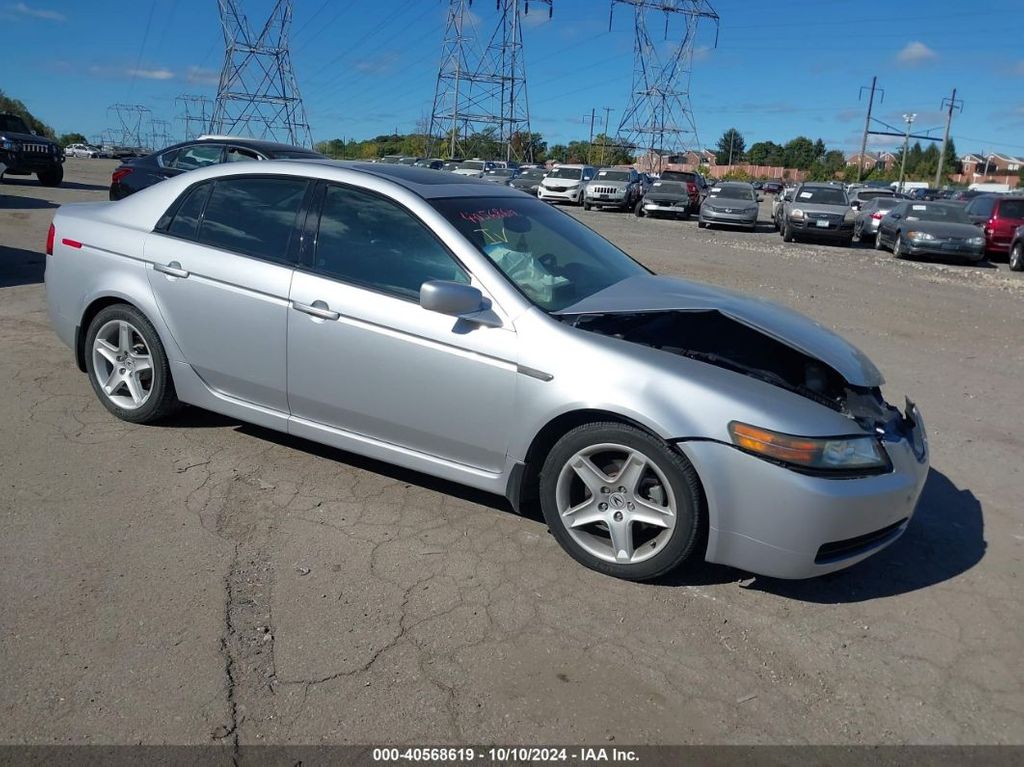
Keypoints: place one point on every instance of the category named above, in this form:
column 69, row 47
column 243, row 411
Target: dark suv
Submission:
column 198, row 153
column 23, row 153
column 998, row 216
column 696, row 185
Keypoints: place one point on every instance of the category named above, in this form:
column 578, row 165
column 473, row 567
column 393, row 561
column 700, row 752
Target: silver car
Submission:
column 730, row 203
column 468, row 331
column 870, row 214
column 612, row 188
column 819, row 210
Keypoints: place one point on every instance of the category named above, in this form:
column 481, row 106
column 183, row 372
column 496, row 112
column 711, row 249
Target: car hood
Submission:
column 612, row 183
column 549, row 181
column 28, row 138
column 944, row 228
column 812, row 207
column 656, row 293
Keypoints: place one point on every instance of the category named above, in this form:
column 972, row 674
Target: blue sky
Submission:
column 780, row 69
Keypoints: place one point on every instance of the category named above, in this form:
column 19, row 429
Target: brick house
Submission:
column 876, row 160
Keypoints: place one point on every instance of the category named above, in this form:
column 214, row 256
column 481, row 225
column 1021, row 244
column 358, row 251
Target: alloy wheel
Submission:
column 122, row 364
column 616, row 503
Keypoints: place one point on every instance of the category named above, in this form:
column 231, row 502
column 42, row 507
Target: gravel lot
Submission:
column 207, row 581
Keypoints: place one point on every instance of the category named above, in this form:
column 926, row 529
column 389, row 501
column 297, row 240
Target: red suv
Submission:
column 999, row 216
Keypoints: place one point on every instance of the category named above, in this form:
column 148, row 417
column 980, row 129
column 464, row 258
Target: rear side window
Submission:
column 186, row 218
column 1011, row 209
column 253, row 216
column 196, row 156
column 237, row 154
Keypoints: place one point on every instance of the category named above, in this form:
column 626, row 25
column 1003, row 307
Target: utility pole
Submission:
column 604, row 136
column 732, row 140
column 867, row 123
column 951, row 103
column 909, row 118
column 590, row 144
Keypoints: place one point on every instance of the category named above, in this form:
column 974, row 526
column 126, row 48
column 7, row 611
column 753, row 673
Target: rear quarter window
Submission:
column 1011, row 209
column 184, row 221
column 253, row 216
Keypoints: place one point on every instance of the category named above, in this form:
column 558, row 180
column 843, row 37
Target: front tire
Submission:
column 787, row 233
column 51, row 177
column 621, row 501
column 1017, row 257
column 639, row 211
column 128, row 367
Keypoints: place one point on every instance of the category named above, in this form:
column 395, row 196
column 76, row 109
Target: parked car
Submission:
column 925, row 193
column 998, row 216
column 779, row 202
column 474, row 168
column 81, row 150
column 529, row 180
column 820, row 211
column 434, row 163
column 665, row 198
column 929, row 229
column 870, row 215
column 965, row 195
column 696, row 185
column 23, row 153
column 500, row 175
column 613, row 188
column 731, row 203
column 565, row 183
column 1016, row 257
column 772, row 187
column 860, row 195
column 472, row 333
column 134, row 175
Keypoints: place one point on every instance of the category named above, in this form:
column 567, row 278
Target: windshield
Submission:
column 677, row 175
column 472, row 165
column 613, row 175
column 732, row 192
column 821, row 195
column 566, row 173
column 501, row 172
column 950, row 214
column 533, row 173
column 552, row 259
column 13, row 123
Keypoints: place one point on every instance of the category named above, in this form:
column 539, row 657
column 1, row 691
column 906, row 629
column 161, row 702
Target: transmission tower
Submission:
column 480, row 96
column 130, row 118
column 159, row 134
column 194, row 115
column 258, row 95
column 658, row 117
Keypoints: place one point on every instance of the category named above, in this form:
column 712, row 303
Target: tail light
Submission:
column 877, row 216
column 118, row 174
column 691, row 187
column 50, row 235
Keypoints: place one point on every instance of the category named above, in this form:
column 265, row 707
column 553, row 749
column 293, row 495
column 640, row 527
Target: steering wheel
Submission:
column 550, row 262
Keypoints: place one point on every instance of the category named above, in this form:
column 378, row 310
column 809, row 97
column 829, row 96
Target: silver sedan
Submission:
column 471, row 332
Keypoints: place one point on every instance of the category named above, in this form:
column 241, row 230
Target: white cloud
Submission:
column 916, row 53
column 702, row 52
column 202, row 76
column 125, row 72
column 152, row 74
column 27, row 11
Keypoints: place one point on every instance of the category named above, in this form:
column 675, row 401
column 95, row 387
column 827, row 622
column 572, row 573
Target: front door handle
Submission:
column 318, row 309
column 173, row 269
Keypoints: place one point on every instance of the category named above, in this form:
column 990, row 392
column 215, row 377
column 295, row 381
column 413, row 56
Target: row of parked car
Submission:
column 971, row 226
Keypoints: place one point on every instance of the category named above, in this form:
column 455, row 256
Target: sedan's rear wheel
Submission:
column 620, row 501
column 127, row 365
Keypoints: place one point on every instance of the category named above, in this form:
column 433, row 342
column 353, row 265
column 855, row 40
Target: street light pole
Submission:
column 906, row 142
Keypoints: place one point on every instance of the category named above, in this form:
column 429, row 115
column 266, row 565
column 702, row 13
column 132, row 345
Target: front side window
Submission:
column 253, row 216
column 373, row 242
column 196, row 156
column 237, row 154
column 551, row 258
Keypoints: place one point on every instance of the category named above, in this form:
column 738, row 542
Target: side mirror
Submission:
column 457, row 299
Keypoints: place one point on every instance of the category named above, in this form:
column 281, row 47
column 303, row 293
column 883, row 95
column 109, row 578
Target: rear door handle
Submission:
column 173, row 269
column 318, row 309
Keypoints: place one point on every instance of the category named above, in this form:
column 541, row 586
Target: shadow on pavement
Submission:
column 31, row 181
column 945, row 538
column 16, row 202
column 20, row 267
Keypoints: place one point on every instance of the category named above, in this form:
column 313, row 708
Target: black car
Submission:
column 134, row 175
column 23, row 153
column 529, row 180
column 930, row 229
column 772, row 187
column 1017, row 250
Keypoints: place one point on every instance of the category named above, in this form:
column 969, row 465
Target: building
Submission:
column 873, row 160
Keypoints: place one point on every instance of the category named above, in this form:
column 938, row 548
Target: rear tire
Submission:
column 897, row 246
column 51, row 177
column 119, row 342
column 879, row 245
column 610, row 479
column 701, row 224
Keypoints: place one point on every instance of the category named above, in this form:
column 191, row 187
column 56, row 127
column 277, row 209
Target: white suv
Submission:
column 80, row 150
column 566, row 183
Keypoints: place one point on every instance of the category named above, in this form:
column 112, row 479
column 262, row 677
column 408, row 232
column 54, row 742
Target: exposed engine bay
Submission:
column 714, row 338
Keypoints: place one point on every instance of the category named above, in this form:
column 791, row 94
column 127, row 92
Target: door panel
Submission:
column 389, row 369
column 228, row 316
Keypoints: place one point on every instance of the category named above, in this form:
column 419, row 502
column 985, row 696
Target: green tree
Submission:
column 799, row 153
column 14, row 106
column 765, row 153
column 819, row 149
column 559, row 153
column 72, row 138
column 730, row 147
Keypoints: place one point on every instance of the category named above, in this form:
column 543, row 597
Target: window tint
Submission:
column 255, row 216
column 1011, row 209
column 983, row 206
column 373, row 242
column 236, row 154
column 196, row 156
column 186, row 219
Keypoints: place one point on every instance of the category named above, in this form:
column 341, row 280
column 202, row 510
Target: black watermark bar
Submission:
column 606, row 753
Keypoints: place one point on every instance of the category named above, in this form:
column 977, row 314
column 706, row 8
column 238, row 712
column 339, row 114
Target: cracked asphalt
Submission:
column 206, row 581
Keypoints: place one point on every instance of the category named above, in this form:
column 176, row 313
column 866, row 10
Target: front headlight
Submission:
column 10, row 146
column 796, row 213
column 976, row 241
column 919, row 236
column 839, row 454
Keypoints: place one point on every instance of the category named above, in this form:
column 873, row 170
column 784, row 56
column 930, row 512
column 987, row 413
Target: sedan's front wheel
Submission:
column 1017, row 257
column 620, row 501
column 127, row 365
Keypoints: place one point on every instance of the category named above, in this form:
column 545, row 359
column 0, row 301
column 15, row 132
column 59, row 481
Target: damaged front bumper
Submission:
column 775, row 521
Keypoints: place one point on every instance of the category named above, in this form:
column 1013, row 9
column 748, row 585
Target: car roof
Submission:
column 251, row 143
column 423, row 182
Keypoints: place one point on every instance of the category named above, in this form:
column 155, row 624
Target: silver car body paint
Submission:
column 393, row 381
